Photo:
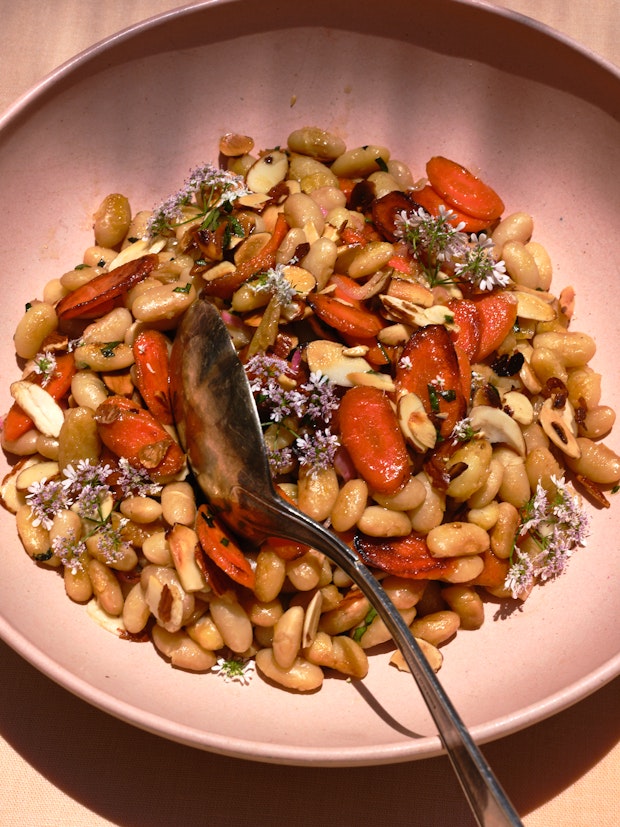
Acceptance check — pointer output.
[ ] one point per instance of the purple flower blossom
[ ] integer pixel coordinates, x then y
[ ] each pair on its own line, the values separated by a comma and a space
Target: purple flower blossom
46, 499
558, 525
317, 450
321, 397
135, 481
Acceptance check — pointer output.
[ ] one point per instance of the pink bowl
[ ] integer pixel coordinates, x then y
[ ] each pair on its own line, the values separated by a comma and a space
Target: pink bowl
535, 113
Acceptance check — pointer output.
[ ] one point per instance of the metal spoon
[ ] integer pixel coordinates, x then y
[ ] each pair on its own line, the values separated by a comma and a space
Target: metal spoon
219, 427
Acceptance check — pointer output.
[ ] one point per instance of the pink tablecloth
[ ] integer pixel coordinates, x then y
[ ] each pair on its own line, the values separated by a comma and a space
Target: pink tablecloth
65, 764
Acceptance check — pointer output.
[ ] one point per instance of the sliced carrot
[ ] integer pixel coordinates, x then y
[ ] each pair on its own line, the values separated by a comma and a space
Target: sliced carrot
132, 432
401, 265
385, 212
464, 364
497, 313
429, 367
463, 190
224, 286
350, 319
407, 557
88, 301
431, 200
350, 235
346, 186
467, 319
16, 422
494, 572
369, 431
221, 549
152, 373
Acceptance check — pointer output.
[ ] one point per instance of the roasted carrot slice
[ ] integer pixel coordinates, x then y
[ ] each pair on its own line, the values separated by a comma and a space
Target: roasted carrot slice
429, 367
467, 320
494, 572
385, 212
88, 301
350, 319
152, 373
407, 557
16, 422
497, 313
428, 198
224, 286
463, 190
369, 431
132, 432
221, 549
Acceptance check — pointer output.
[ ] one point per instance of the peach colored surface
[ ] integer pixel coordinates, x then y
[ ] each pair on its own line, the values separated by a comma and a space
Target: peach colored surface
65, 762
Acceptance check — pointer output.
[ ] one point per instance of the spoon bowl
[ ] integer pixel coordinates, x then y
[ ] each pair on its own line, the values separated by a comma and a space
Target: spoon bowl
218, 425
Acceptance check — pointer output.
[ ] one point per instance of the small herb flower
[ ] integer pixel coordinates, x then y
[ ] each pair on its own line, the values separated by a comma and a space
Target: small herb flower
479, 267
405, 363
463, 430
434, 240
281, 460
45, 366
321, 397
235, 669
273, 387
275, 282
136, 482
559, 525
317, 450
46, 499
69, 550
208, 189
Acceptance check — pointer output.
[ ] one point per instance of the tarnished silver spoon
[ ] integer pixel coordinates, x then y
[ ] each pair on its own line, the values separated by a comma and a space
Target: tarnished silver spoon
219, 427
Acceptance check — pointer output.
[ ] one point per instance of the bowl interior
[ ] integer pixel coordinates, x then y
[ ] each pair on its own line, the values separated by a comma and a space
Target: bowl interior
533, 113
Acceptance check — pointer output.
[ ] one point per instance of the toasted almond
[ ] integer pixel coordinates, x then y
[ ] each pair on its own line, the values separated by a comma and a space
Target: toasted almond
521, 409
371, 379
415, 423
430, 652
411, 291
401, 310
10, 497
311, 619
300, 279
38, 472
533, 306
329, 358
497, 426
37, 403
560, 426
269, 170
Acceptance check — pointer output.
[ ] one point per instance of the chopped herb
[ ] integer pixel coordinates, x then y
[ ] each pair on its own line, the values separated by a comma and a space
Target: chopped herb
185, 288
28, 306
361, 630
234, 669
82, 267
433, 398
101, 262
381, 164
108, 349
224, 541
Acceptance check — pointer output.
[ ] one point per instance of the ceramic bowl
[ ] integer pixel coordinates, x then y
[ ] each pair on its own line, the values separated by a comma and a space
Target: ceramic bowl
535, 114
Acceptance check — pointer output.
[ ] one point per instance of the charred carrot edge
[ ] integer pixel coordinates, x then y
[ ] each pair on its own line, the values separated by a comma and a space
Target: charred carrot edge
463, 190
497, 313
406, 557
369, 431
431, 201
346, 318
87, 301
433, 359
385, 211
16, 422
224, 286
223, 551
132, 432
152, 373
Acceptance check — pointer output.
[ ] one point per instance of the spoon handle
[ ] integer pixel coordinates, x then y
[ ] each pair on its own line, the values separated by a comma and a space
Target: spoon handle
485, 795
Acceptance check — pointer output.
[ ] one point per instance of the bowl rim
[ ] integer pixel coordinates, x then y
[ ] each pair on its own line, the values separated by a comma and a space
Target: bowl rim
428, 746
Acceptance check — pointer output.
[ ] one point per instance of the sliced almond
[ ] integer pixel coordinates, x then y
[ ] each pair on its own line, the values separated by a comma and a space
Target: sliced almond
497, 426
10, 497
395, 334
329, 358
223, 268
253, 201
401, 310
136, 250
269, 170
411, 291
37, 472
37, 403
560, 426
415, 423
311, 619
521, 409
251, 247
371, 379
533, 306
300, 279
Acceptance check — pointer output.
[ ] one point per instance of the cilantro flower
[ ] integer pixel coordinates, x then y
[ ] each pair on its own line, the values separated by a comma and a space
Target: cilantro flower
273, 387
69, 550
275, 282
45, 366
135, 481
434, 240
321, 397
46, 499
317, 450
559, 525
206, 188
235, 670
479, 266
